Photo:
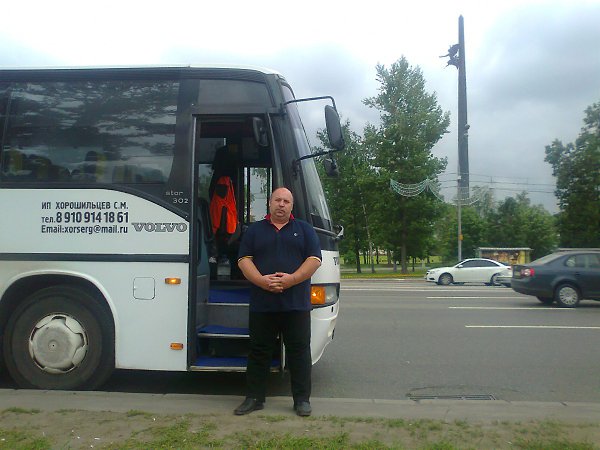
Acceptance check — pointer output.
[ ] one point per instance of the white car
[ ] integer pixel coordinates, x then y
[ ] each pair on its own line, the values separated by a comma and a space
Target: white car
474, 270
504, 280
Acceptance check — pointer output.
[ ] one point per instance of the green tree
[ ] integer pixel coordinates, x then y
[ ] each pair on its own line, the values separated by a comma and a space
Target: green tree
577, 171
473, 228
515, 223
411, 122
345, 193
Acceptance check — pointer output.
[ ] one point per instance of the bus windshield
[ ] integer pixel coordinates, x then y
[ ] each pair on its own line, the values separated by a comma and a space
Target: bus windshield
315, 200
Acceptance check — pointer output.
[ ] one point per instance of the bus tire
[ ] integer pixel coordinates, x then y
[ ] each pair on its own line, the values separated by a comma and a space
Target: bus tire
60, 337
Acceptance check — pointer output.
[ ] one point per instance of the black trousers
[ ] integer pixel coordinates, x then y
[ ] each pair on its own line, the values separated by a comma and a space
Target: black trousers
294, 327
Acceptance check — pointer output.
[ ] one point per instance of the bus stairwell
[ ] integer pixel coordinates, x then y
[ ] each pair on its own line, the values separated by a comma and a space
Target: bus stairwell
223, 339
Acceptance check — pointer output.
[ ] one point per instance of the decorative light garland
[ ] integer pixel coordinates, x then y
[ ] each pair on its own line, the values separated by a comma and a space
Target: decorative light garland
412, 190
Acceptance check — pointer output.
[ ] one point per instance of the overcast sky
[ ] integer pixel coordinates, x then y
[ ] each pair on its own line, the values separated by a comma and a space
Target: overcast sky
532, 66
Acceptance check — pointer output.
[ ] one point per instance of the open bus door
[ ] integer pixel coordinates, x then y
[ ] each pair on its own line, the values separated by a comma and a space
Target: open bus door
232, 152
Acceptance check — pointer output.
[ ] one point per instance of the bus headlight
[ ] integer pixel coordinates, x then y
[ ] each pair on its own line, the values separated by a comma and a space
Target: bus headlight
322, 295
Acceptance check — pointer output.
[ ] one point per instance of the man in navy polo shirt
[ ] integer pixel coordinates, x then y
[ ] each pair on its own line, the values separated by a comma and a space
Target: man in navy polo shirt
278, 255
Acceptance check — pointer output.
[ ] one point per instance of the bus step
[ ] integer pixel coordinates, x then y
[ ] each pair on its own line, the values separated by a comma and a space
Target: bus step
229, 296
226, 364
211, 331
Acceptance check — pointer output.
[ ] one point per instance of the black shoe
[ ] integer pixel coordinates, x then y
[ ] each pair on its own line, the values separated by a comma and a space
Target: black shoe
249, 405
303, 409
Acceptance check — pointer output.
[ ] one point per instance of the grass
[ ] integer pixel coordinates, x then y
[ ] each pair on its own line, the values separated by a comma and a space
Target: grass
17, 439
333, 433
148, 430
381, 271
15, 410
135, 412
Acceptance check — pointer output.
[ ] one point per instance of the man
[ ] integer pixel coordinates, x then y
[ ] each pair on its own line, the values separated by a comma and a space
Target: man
278, 255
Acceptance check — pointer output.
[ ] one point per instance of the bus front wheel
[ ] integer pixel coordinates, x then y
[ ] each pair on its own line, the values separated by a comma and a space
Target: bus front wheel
60, 337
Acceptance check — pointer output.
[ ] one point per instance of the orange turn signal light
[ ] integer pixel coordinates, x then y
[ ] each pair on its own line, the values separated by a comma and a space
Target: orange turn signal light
173, 280
176, 346
317, 295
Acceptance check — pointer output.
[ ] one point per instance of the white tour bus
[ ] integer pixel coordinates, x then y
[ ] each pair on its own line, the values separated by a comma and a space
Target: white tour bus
110, 256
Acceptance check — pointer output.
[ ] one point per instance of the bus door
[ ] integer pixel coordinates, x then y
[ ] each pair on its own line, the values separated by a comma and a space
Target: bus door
234, 167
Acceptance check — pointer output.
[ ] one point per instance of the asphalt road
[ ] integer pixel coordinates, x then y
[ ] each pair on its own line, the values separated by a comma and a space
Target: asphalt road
397, 339
409, 339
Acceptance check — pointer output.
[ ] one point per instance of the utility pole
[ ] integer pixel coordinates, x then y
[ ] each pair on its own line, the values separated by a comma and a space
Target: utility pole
463, 126
456, 55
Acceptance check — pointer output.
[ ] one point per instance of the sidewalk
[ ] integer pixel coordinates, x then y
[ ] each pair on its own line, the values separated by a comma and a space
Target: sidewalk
445, 410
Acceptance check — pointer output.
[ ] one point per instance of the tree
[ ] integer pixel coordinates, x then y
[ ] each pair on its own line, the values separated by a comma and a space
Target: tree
515, 223
345, 194
473, 228
411, 123
577, 171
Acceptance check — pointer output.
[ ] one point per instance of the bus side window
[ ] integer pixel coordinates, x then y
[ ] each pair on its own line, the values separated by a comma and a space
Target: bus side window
97, 131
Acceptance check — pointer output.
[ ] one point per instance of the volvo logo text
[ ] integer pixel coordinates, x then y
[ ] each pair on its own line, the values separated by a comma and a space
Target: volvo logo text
160, 227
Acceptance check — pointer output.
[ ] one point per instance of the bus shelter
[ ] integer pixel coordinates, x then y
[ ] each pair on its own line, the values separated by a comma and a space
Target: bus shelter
507, 255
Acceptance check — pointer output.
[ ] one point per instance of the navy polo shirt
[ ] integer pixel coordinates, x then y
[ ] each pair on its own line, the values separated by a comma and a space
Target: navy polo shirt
283, 250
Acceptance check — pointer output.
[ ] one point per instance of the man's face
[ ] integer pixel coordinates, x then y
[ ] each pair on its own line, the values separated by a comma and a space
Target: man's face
280, 205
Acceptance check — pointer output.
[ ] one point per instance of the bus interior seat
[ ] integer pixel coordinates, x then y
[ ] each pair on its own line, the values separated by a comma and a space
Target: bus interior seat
94, 166
43, 169
123, 174
57, 173
13, 162
154, 176
128, 173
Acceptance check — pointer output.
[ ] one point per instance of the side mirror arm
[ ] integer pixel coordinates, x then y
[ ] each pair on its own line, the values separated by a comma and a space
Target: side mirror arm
296, 162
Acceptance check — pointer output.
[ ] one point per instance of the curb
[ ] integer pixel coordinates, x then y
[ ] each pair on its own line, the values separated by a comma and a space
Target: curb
445, 410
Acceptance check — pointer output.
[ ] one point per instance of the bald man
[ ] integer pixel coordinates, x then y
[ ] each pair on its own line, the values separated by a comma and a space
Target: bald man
278, 255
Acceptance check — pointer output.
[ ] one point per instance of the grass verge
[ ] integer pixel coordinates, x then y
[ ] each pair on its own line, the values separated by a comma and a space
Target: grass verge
143, 430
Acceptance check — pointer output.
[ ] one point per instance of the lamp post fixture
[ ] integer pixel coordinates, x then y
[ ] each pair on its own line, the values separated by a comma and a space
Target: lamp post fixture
456, 55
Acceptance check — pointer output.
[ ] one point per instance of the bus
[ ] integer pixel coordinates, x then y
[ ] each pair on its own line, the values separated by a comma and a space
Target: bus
113, 250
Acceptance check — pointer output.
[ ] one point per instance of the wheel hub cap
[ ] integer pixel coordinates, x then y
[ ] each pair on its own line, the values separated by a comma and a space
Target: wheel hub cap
58, 343
568, 295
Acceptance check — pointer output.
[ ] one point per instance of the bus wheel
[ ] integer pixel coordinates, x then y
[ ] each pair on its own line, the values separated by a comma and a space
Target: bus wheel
60, 338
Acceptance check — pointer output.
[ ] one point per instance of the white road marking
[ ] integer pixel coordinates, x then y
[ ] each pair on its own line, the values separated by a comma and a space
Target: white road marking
466, 298
548, 327
510, 307
402, 288
382, 288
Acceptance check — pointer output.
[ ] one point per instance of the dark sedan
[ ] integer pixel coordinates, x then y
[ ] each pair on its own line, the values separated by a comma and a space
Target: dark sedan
564, 277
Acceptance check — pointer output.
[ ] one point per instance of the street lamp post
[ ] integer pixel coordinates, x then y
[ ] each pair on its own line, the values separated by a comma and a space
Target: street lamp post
463, 127
456, 55
459, 218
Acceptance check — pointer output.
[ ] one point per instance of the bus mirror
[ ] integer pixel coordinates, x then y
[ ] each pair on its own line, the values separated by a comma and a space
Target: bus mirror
339, 230
331, 168
260, 132
334, 129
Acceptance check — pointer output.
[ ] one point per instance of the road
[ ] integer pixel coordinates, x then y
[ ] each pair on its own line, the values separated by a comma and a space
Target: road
399, 338
408, 339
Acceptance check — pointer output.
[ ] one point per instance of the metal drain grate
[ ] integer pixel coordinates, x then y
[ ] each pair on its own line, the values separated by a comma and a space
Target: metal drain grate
417, 397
